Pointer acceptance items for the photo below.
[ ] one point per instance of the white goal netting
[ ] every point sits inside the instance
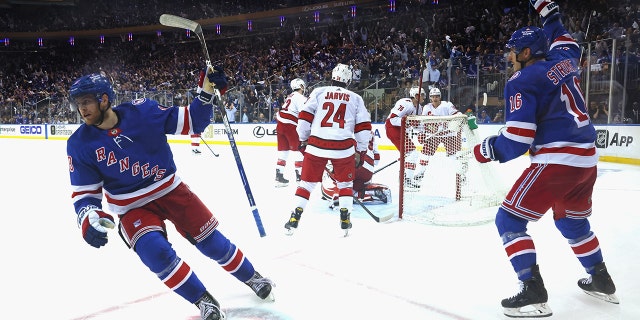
(440, 181)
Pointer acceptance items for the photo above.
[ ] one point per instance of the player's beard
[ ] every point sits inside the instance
(95, 118)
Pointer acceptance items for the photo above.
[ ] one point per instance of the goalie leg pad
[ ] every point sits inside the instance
(219, 248)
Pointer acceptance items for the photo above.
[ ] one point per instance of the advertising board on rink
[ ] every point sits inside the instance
(24, 131)
(616, 143)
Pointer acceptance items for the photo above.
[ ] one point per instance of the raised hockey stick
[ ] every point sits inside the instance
(376, 218)
(179, 22)
(206, 144)
(422, 65)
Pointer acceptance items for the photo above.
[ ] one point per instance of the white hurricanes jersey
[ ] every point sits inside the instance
(291, 108)
(402, 108)
(446, 108)
(334, 120)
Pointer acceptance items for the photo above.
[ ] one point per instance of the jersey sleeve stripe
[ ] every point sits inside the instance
(362, 126)
(306, 116)
(186, 122)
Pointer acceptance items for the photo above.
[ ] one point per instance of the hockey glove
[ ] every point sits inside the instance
(303, 146)
(94, 224)
(484, 151)
(360, 158)
(544, 7)
(209, 81)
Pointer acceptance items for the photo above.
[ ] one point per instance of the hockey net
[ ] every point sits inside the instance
(440, 181)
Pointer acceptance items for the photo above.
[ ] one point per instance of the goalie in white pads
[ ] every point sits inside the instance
(546, 116)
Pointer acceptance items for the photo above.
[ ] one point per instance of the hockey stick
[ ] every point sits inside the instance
(422, 66)
(206, 144)
(179, 22)
(386, 166)
(355, 198)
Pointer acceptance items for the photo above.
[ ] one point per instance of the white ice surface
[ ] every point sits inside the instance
(395, 270)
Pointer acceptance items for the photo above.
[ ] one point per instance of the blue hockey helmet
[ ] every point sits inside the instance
(529, 37)
(95, 83)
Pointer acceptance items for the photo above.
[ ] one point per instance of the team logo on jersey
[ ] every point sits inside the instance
(138, 101)
(114, 132)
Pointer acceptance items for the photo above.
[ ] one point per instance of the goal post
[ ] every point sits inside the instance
(440, 181)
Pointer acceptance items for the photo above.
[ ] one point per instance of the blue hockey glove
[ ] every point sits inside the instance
(218, 78)
(484, 151)
(94, 224)
(544, 7)
(210, 80)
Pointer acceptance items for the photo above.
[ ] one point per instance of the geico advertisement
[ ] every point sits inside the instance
(23, 130)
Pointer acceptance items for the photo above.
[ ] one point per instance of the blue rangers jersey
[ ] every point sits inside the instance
(545, 108)
(132, 163)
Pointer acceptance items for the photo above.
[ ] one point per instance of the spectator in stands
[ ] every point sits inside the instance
(483, 117)
(499, 117)
(633, 114)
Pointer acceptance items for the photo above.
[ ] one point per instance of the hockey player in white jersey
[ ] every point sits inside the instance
(287, 136)
(334, 125)
(430, 137)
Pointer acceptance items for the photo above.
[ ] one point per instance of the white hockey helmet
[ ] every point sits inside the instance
(298, 83)
(414, 91)
(342, 73)
(434, 92)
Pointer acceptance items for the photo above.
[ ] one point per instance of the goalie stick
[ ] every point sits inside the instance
(376, 218)
(179, 22)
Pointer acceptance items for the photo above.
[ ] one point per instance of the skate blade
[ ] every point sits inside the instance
(611, 298)
(271, 297)
(281, 185)
(346, 233)
(289, 232)
(536, 310)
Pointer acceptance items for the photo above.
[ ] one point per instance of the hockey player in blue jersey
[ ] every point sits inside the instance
(546, 116)
(122, 152)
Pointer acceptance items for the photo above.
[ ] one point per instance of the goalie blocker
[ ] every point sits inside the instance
(440, 182)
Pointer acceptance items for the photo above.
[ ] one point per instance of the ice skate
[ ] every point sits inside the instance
(298, 175)
(345, 221)
(196, 152)
(280, 180)
(531, 301)
(293, 221)
(209, 308)
(600, 285)
(261, 286)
